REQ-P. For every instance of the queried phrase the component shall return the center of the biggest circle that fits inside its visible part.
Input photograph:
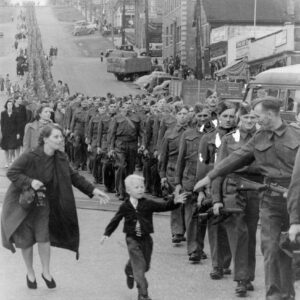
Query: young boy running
(138, 225)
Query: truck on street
(129, 67)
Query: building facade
(178, 30)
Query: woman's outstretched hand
(103, 197)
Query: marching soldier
(185, 180)
(274, 150)
(78, 132)
(168, 160)
(123, 137)
(150, 169)
(209, 144)
(92, 136)
(102, 147)
(241, 228)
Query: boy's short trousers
(34, 228)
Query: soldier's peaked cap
(268, 101)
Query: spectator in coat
(10, 132)
(52, 218)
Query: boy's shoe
(241, 289)
(129, 280)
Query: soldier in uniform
(168, 120)
(168, 160)
(124, 135)
(150, 168)
(102, 147)
(77, 129)
(209, 144)
(185, 179)
(273, 148)
(74, 103)
(241, 228)
(92, 136)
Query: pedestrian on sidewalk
(10, 131)
(101, 56)
(51, 220)
(138, 214)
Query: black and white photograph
(149, 149)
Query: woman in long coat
(32, 130)
(52, 219)
(10, 131)
(21, 112)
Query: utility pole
(123, 23)
(113, 25)
(147, 27)
(199, 73)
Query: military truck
(129, 67)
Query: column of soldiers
(217, 145)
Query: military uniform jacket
(169, 152)
(103, 127)
(273, 151)
(167, 122)
(186, 165)
(230, 143)
(124, 129)
(151, 133)
(207, 152)
(92, 131)
(78, 121)
(293, 199)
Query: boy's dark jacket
(143, 213)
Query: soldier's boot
(241, 289)
(216, 273)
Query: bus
(282, 83)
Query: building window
(171, 33)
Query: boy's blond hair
(132, 178)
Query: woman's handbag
(27, 198)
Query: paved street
(99, 275)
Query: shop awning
(235, 70)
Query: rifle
(225, 213)
(288, 247)
(248, 185)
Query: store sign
(218, 35)
(280, 38)
(242, 48)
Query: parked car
(126, 48)
(86, 23)
(157, 80)
(83, 30)
(162, 87)
(142, 81)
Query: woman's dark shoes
(50, 283)
(31, 284)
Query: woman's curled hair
(46, 132)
